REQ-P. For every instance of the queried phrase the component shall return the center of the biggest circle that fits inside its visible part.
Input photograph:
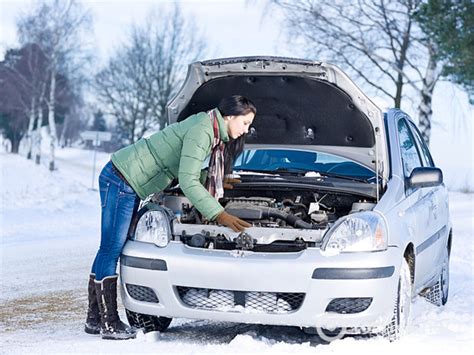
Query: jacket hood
(299, 103)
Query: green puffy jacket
(178, 150)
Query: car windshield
(290, 160)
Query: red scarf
(215, 175)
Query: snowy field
(49, 235)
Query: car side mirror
(425, 177)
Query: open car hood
(300, 103)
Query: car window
(409, 152)
(299, 160)
(425, 153)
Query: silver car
(349, 213)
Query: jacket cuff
(213, 214)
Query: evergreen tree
(99, 123)
(450, 24)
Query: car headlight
(363, 231)
(154, 226)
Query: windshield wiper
(253, 170)
(290, 170)
(300, 170)
(275, 171)
(323, 173)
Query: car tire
(147, 323)
(401, 312)
(438, 293)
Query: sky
(247, 27)
(232, 27)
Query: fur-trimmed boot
(111, 327)
(92, 325)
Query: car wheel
(146, 322)
(401, 311)
(438, 293)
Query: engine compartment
(274, 208)
(282, 219)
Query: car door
(418, 206)
(439, 212)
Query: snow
(49, 233)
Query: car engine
(285, 220)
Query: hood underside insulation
(290, 110)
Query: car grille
(142, 293)
(349, 305)
(238, 301)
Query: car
(349, 214)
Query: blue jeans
(119, 205)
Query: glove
(235, 223)
(229, 183)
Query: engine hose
(289, 218)
(287, 201)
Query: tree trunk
(37, 138)
(132, 132)
(15, 144)
(51, 122)
(401, 64)
(398, 93)
(62, 138)
(31, 124)
(425, 111)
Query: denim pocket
(104, 191)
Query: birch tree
(144, 73)
(56, 26)
(33, 74)
(376, 41)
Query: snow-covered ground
(49, 225)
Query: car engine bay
(282, 219)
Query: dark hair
(236, 105)
(232, 150)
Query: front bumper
(322, 279)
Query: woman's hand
(229, 183)
(235, 223)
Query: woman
(148, 166)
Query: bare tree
(144, 73)
(377, 41)
(74, 122)
(56, 26)
(69, 110)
